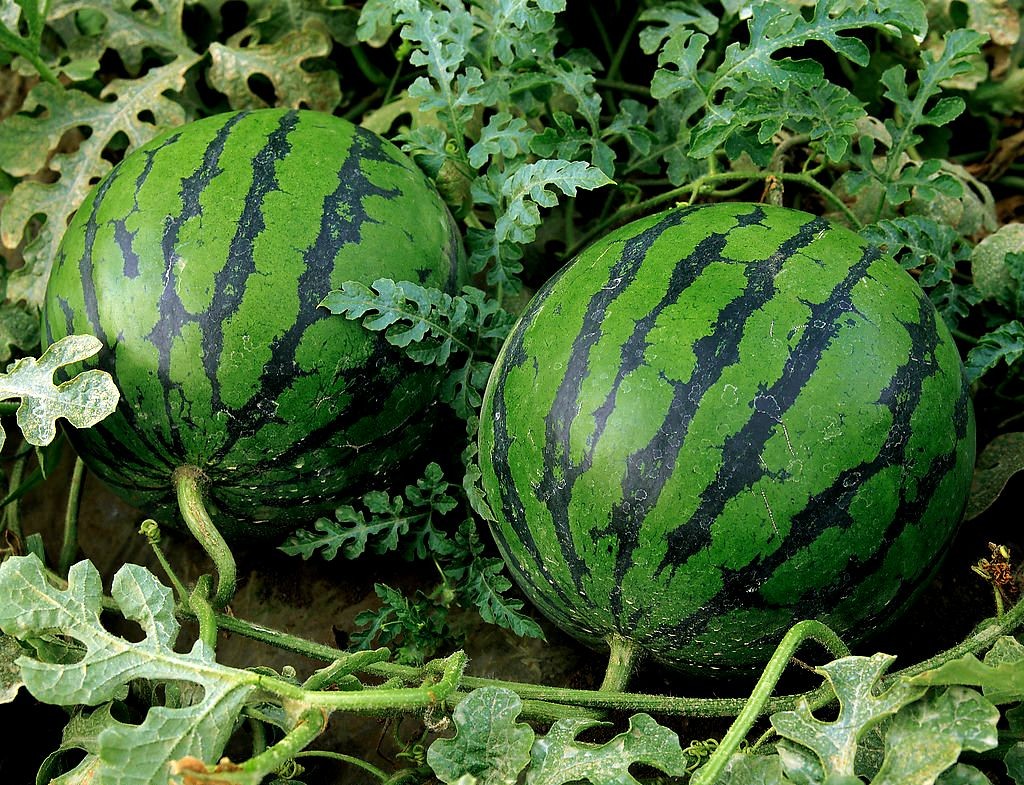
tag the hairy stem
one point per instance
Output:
(622, 659)
(188, 484)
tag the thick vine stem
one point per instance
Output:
(623, 656)
(754, 708)
(188, 482)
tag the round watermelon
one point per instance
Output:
(718, 421)
(200, 262)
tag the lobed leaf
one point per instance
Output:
(530, 187)
(128, 754)
(1003, 344)
(283, 63)
(1001, 677)
(83, 400)
(10, 673)
(489, 744)
(27, 143)
(834, 743)
(559, 758)
(927, 737)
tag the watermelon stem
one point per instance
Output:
(69, 544)
(624, 654)
(188, 483)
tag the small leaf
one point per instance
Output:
(1002, 458)
(489, 744)
(18, 329)
(1003, 344)
(1001, 681)
(530, 188)
(83, 401)
(10, 673)
(559, 758)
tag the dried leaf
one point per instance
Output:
(282, 63)
(26, 142)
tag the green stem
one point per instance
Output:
(12, 512)
(754, 708)
(368, 69)
(622, 659)
(590, 699)
(339, 756)
(69, 546)
(702, 185)
(615, 66)
(188, 484)
(150, 529)
(9, 407)
(199, 604)
(983, 637)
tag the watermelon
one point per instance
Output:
(720, 420)
(200, 262)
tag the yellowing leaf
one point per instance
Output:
(26, 142)
(282, 63)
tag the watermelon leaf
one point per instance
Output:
(1002, 458)
(489, 744)
(529, 187)
(1003, 344)
(927, 737)
(283, 63)
(917, 106)
(430, 326)
(414, 628)
(751, 76)
(34, 15)
(27, 143)
(197, 723)
(481, 581)
(931, 250)
(559, 758)
(1000, 675)
(83, 400)
(831, 746)
(18, 328)
(10, 673)
(428, 323)
(390, 520)
(493, 747)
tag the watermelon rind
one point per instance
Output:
(200, 262)
(717, 421)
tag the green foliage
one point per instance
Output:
(417, 525)
(197, 723)
(494, 749)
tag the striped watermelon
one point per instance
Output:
(720, 420)
(200, 261)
